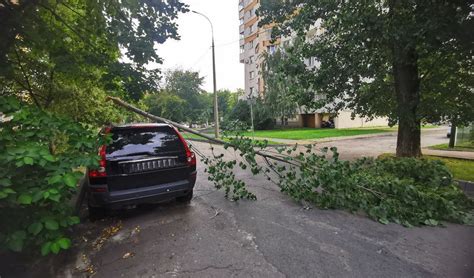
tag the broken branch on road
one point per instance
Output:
(388, 189)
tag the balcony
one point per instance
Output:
(241, 14)
(241, 29)
(249, 4)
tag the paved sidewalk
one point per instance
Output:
(451, 154)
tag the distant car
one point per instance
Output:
(448, 134)
(144, 163)
(327, 124)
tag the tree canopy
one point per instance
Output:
(408, 60)
(65, 56)
(58, 62)
(281, 90)
(187, 85)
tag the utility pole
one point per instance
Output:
(216, 109)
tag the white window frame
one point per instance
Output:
(252, 74)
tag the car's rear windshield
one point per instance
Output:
(138, 140)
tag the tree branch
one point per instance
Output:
(60, 19)
(182, 127)
(27, 80)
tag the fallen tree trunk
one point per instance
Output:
(136, 110)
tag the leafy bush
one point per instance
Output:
(406, 191)
(262, 117)
(233, 126)
(40, 158)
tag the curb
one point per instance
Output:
(466, 186)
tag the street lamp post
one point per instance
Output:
(216, 110)
(250, 98)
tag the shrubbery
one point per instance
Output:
(262, 117)
(40, 160)
(406, 191)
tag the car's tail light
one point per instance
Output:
(190, 156)
(100, 172)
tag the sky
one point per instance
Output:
(193, 51)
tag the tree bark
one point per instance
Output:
(407, 89)
(452, 136)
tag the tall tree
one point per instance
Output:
(281, 89)
(407, 60)
(64, 56)
(187, 85)
(166, 105)
(226, 100)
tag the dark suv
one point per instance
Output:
(144, 163)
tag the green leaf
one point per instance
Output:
(384, 221)
(70, 180)
(28, 160)
(64, 243)
(45, 248)
(15, 244)
(9, 191)
(5, 182)
(54, 248)
(55, 179)
(431, 222)
(37, 196)
(35, 228)
(74, 220)
(3, 195)
(51, 224)
(55, 197)
(49, 158)
(25, 199)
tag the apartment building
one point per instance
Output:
(254, 42)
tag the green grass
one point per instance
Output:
(194, 136)
(466, 147)
(313, 133)
(187, 135)
(310, 133)
(462, 169)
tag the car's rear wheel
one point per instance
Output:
(186, 198)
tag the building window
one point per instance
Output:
(252, 74)
(251, 59)
(252, 91)
(241, 21)
(242, 35)
(252, 13)
(242, 49)
(250, 45)
(253, 28)
(271, 49)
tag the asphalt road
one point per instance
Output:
(271, 237)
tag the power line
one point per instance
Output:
(201, 57)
